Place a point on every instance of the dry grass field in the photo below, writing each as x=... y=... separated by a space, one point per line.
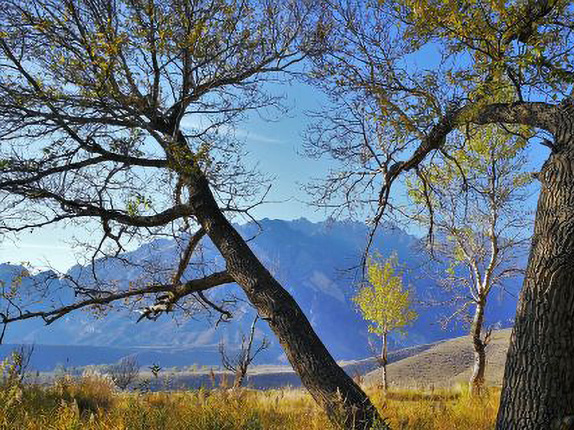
x=90 y=403
x=428 y=392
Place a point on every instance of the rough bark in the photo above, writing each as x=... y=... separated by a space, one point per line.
x=477 y=379
x=344 y=401
x=538 y=389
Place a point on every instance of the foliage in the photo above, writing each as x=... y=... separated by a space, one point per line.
x=408 y=78
x=15 y=366
x=384 y=301
x=106 y=109
x=473 y=205
x=493 y=35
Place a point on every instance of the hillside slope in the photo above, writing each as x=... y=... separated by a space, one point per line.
x=446 y=364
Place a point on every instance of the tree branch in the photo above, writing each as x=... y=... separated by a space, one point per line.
x=534 y=114
x=176 y=292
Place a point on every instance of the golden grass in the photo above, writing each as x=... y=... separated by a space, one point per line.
x=90 y=403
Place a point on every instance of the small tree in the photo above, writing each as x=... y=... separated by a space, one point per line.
x=241 y=362
x=385 y=303
x=125 y=372
x=476 y=208
x=15 y=367
x=9 y=291
x=155 y=369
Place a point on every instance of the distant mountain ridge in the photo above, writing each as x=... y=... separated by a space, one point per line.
x=309 y=259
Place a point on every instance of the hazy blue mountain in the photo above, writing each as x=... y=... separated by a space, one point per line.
x=314 y=261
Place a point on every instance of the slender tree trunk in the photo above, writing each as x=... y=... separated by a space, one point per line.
x=239 y=377
x=384 y=361
x=538 y=389
x=342 y=399
x=477 y=378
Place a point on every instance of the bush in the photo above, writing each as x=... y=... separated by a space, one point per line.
x=91 y=392
x=125 y=372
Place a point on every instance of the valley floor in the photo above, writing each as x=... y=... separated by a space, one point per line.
x=90 y=403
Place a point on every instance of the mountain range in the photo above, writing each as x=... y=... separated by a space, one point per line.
x=316 y=262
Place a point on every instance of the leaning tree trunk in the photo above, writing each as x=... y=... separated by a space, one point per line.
x=330 y=386
x=477 y=379
x=538 y=389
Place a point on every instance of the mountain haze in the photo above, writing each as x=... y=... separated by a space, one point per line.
x=313 y=261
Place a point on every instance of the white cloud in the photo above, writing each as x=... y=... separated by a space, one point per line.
x=241 y=133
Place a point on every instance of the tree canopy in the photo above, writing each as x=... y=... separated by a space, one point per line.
x=383 y=300
x=404 y=77
x=94 y=96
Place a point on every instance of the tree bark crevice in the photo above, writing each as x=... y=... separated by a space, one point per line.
x=538 y=390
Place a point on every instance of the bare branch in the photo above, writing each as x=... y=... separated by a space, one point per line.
x=174 y=293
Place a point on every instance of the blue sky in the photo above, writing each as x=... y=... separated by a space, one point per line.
x=273 y=145
x=276 y=146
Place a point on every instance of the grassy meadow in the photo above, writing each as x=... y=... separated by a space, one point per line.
x=90 y=402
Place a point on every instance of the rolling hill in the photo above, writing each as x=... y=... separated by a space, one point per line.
x=446 y=364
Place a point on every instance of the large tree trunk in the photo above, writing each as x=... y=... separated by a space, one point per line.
x=477 y=378
x=538 y=389
x=343 y=400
